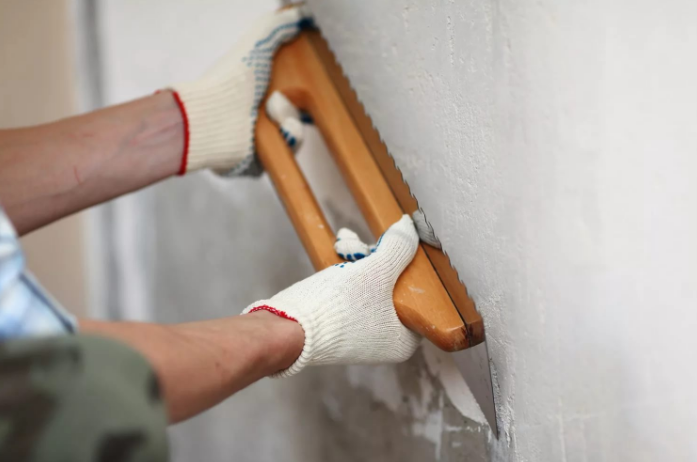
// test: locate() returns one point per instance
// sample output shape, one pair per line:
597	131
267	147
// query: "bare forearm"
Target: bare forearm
200	364
53	170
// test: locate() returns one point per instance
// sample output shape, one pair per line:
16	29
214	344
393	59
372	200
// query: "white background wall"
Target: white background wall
553	145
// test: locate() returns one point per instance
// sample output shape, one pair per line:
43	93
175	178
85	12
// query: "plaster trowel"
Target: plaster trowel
429	297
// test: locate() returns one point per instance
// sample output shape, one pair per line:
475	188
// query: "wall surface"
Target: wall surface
204	247
552	145
37	86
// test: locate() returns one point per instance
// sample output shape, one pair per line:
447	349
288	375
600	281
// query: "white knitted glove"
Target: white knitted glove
220	108
347	311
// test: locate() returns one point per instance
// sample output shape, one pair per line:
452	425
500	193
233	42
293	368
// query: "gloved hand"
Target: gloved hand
220	109
347	311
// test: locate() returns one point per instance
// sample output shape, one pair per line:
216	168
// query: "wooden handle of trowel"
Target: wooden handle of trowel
422	303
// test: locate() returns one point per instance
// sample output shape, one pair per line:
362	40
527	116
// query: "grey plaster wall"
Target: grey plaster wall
551	143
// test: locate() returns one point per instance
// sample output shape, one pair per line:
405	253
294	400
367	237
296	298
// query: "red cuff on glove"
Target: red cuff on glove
273	310
185	118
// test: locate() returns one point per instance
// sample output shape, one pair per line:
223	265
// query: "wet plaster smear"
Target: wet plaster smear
529	131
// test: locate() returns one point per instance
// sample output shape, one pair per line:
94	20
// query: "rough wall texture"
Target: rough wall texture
552	145
202	247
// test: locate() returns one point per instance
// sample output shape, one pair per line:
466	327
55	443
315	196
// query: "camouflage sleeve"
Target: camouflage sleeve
79	399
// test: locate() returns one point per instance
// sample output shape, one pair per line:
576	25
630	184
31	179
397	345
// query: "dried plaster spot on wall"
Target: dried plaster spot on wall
441	365
395	413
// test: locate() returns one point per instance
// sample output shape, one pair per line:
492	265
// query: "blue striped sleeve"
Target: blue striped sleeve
26	309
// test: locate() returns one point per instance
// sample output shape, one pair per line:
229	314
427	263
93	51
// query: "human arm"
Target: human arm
341	315
109	392
197	364
200	364
53	170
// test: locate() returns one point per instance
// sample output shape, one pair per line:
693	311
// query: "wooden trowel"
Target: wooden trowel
429	297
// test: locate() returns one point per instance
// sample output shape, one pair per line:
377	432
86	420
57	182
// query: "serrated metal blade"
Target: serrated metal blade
473	362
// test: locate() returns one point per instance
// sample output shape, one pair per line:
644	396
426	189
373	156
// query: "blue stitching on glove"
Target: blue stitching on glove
275	31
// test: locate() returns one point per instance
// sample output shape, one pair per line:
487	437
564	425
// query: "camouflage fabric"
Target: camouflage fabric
77	398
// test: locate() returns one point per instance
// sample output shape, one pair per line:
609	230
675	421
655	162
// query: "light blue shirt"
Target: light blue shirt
26	309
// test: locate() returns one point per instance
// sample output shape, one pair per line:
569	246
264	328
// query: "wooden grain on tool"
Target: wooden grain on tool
421	301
